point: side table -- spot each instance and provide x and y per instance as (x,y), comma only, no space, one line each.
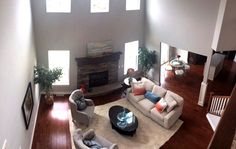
(125,85)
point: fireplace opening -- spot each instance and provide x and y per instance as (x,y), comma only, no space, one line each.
(98,79)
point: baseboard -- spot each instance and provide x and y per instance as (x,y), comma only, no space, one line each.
(35,122)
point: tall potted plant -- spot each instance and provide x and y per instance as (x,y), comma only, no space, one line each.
(46,77)
(146,59)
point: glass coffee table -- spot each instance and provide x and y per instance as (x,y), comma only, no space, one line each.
(124,123)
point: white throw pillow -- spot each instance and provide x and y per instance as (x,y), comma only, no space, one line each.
(171,103)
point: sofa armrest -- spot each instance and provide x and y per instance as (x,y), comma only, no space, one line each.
(113,146)
(172,117)
(89,102)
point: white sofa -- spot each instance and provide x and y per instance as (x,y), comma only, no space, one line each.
(165,119)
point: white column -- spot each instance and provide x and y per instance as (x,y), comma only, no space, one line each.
(204,84)
(235,58)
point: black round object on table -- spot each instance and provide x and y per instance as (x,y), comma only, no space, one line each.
(130,129)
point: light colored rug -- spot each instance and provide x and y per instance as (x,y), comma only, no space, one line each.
(149,135)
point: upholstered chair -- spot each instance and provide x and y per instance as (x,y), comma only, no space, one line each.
(81,116)
(79,137)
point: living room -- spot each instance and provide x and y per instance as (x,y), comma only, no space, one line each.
(29,32)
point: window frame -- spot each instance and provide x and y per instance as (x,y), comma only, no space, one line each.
(132,9)
(49,10)
(100,11)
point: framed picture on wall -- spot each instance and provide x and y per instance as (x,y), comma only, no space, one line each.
(27,105)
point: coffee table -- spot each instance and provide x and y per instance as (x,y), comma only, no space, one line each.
(128,129)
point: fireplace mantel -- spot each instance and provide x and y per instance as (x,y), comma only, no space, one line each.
(115,56)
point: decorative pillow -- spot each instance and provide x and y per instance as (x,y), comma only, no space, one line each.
(161,105)
(171,103)
(138,88)
(150,96)
(139,91)
(138,84)
(81,104)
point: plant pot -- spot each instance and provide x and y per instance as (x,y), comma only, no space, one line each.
(49,100)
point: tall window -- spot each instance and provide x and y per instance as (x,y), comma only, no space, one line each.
(164,53)
(131,55)
(97,6)
(58,6)
(132,4)
(60,59)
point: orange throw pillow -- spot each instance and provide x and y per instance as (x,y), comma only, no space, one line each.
(139,91)
(161,105)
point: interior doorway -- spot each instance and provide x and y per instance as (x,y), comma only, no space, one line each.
(169,53)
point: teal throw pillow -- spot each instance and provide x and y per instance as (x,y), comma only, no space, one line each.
(150,96)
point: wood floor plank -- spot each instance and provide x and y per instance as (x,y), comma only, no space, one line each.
(52,127)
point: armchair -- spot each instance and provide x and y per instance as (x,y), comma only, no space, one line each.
(84,116)
(79,137)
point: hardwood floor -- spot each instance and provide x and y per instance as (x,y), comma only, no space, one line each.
(52,128)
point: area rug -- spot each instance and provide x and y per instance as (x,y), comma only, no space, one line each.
(149,135)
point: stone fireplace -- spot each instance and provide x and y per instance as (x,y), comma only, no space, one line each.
(98,79)
(98,71)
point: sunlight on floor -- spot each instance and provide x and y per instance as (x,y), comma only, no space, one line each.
(59,111)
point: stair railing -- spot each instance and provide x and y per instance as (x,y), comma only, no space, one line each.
(217,104)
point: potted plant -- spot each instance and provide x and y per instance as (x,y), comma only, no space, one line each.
(146,59)
(46,77)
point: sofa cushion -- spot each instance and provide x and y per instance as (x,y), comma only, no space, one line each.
(159,91)
(146,104)
(158,115)
(150,96)
(135,98)
(148,84)
(171,103)
(161,105)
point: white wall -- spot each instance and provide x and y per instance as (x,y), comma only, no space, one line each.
(17,58)
(73,31)
(224,38)
(184,24)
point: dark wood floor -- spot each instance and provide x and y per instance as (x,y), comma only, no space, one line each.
(52,127)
